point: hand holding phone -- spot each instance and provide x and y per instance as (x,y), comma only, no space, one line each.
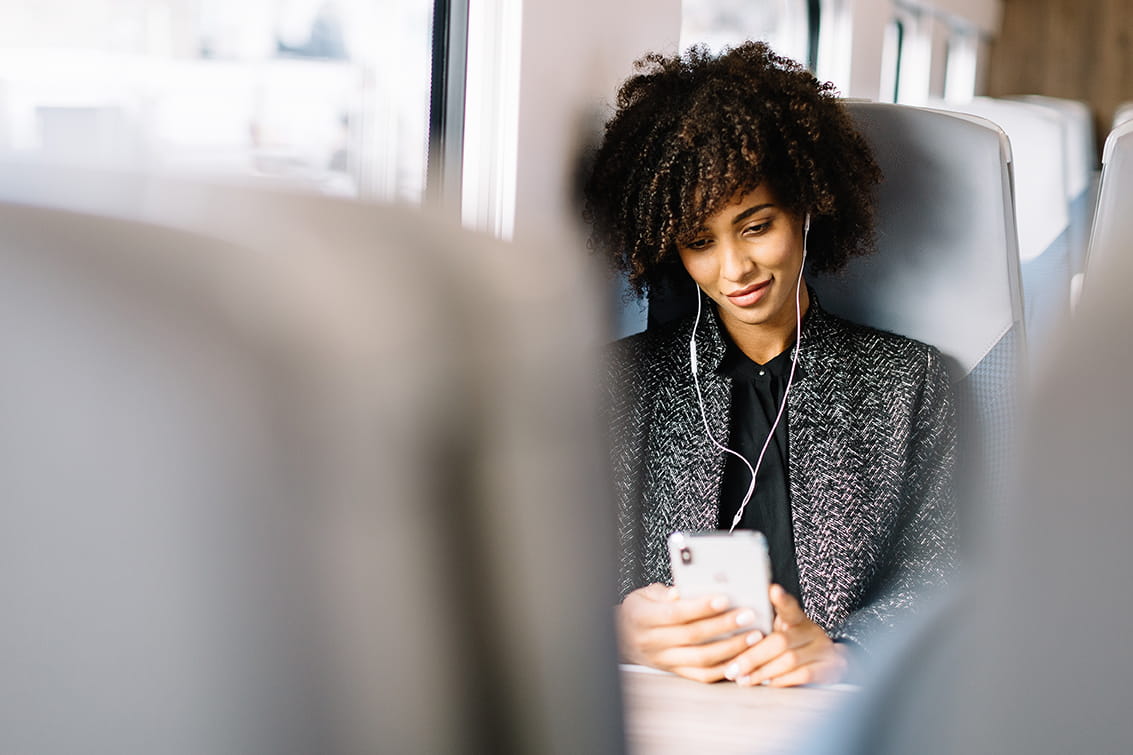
(720,563)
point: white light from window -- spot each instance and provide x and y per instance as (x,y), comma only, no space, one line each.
(783,24)
(963,57)
(325,95)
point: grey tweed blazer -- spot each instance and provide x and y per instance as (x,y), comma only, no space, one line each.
(872,448)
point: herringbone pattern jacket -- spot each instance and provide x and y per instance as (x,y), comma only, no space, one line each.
(872,447)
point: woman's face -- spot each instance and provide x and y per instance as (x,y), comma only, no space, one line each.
(746,258)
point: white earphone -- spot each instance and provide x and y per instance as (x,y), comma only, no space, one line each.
(782,407)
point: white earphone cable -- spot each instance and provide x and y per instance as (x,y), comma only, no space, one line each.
(782,407)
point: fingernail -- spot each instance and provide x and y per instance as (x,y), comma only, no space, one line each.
(754,637)
(745,618)
(765,682)
(744,680)
(720,603)
(732,671)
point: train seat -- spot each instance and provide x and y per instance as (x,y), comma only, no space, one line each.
(1041,208)
(264,496)
(630,314)
(1081,168)
(956,684)
(1112,234)
(147,519)
(1122,113)
(946,270)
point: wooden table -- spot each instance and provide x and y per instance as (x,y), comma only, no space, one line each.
(669,714)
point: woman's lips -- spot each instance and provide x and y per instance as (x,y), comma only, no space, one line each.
(749,296)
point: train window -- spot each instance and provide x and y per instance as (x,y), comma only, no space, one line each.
(491,117)
(784,24)
(326,95)
(961,66)
(909,60)
(891,61)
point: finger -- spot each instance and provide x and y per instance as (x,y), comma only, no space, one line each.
(703,631)
(796,677)
(654,609)
(822,672)
(731,622)
(763,651)
(718,653)
(828,657)
(784,663)
(787,608)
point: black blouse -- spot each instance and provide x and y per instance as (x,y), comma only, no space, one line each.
(757,394)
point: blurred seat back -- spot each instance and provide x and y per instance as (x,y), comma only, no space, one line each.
(1081,167)
(147,521)
(332,495)
(1111,238)
(1121,114)
(994,670)
(946,270)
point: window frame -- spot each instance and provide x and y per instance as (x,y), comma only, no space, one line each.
(447,86)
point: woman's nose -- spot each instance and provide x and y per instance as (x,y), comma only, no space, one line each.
(735,264)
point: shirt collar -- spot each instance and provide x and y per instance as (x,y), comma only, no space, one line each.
(713,341)
(738,365)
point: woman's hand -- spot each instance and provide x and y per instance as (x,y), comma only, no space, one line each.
(796,652)
(656,628)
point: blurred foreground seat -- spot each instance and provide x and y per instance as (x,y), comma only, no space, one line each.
(1033,658)
(336,493)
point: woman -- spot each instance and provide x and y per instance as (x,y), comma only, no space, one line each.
(762,410)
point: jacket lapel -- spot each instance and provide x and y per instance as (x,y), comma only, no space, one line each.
(683,491)
(828,411)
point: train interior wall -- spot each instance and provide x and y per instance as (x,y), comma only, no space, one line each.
(1076,49)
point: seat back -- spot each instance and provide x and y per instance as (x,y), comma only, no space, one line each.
(946,270)
(1081,167)
(1042,209)
(1066,524)
(1112,235)
(1122,113)
(145,579)
(317,485)
(630,314)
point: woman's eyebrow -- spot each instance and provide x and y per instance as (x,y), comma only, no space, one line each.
(750,211)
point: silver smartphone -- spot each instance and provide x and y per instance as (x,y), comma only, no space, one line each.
(721,563)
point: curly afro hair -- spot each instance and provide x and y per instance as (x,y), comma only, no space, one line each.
(693,132)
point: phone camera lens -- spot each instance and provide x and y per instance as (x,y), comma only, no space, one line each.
(686,556)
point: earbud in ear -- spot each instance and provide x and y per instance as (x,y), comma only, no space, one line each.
(806,224)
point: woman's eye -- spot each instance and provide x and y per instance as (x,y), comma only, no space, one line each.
(697,244)
(757,228)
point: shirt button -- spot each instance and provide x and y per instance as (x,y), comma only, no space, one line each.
(761,372)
